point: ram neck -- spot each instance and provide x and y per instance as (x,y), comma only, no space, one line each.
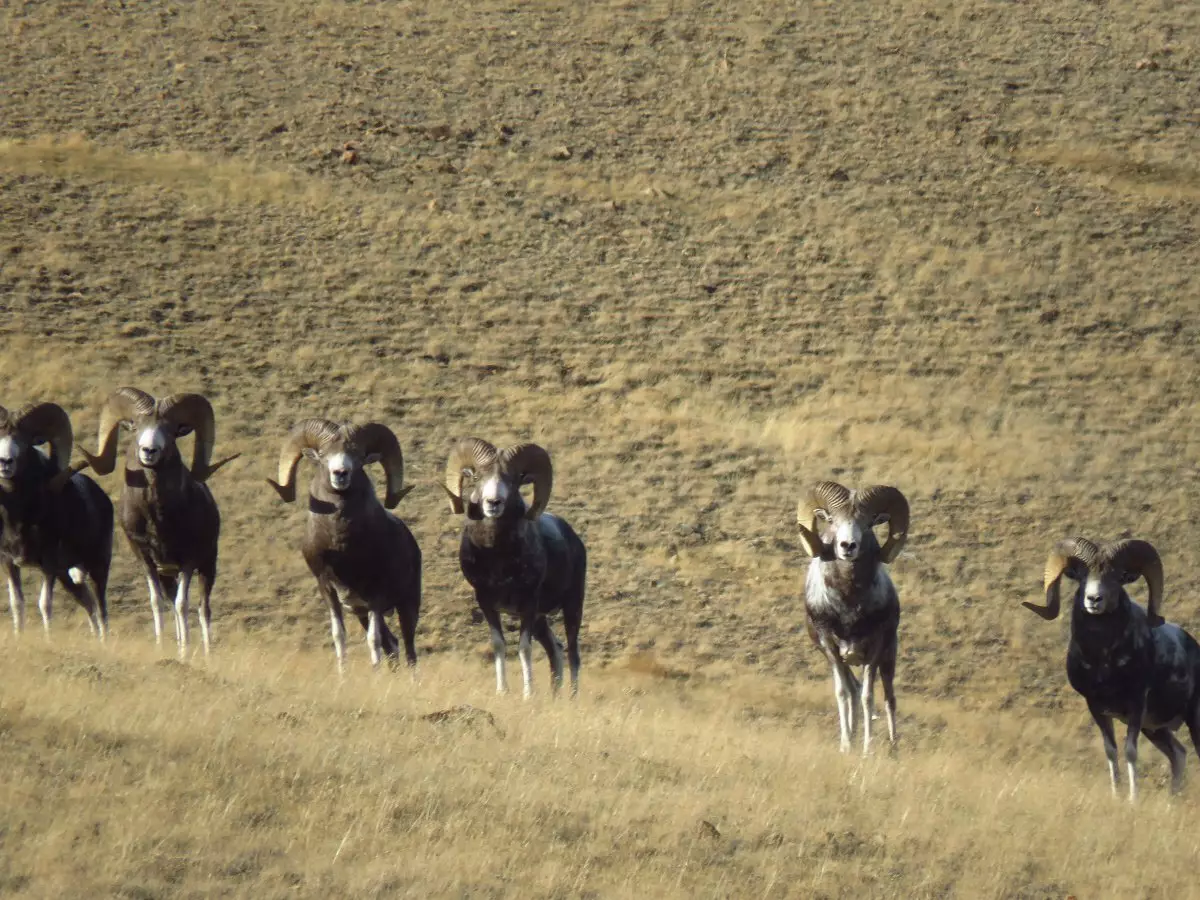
(162,484)
(495,534)
(1095,636)
(351,504)
(853,577)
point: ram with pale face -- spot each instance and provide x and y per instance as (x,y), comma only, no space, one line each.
(1122,659)
(519,559)
(52,517)
(365,559)
(851,605)
(167,511)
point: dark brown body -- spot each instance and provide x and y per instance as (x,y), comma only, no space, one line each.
(56,531)
(364,559)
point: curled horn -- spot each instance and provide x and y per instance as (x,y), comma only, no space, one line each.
(532,464)
(309,434)
(881,499)
(123,405)
(196,411)
(48,422)
(376,438)
(1066,558)
(828,496)
(468,454)
(1140,559)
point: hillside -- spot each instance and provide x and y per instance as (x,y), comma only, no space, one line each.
(704,253)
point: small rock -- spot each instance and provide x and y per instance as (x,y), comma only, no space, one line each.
(1147,63)
(708,830)
(349,157)
(464,715)
(560,153)
(839,175)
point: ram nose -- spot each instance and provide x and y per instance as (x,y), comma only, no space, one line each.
(847,549)
(8,468)
(492,508)
(1093,602)
(149,456)
(339,479)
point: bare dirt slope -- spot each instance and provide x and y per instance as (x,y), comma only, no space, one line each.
(704,253)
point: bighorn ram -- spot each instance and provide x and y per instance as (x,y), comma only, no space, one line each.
(51,517)
(364,558)
(526,562)
(851,605)
(167,511)
(1123,659)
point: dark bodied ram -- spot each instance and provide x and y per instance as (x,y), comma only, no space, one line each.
(520,560)
(365,560)
(1124,660)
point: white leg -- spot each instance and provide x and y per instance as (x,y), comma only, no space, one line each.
(16,600)
(375,637)
(868,704)
(525,651)
(338,629)
(498,650)
(1110,749)
(156,597)
(845,704)
(46,602)
(101,625)
(206,623)
(1131,755)
(181,612)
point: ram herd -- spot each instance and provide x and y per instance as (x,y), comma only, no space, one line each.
(520,560)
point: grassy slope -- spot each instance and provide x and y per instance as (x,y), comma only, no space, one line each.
(944,246)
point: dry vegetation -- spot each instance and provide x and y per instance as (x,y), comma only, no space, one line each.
(704,253)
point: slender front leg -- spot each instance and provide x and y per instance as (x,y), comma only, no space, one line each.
(1104,723)
(1131,752)
(499,646)
(337,627)
(46,602)
(868,704)
(571,623)
(16,598)
(375,637)
(157,597)
(205,612)
(887,674)
(843,690)
(181,611)
(525,652)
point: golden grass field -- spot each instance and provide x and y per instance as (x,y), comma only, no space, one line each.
(704,253)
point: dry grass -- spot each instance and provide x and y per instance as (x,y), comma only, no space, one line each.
(948,246)
(281,781)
